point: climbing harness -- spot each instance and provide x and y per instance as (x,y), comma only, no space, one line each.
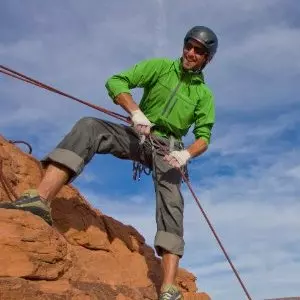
(137,168)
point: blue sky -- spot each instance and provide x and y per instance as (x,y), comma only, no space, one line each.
(248,181)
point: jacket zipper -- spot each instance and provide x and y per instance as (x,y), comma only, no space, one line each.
(172,100)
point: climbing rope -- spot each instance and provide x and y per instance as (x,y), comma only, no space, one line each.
(27,79)
(22,142)
(20,76)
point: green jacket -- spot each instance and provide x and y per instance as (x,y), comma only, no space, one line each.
(173,100)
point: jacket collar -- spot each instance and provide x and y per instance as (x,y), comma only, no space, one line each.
(194,77)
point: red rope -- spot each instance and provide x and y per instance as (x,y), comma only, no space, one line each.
(27,79)
(216,236)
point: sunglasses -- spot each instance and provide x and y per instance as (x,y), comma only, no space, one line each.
(198,50)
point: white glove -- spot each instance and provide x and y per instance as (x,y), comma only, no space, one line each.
(178,159)
(140,122)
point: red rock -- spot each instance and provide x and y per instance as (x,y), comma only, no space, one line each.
(85,255)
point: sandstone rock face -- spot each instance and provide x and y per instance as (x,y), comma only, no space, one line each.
(84,255)
(31,249)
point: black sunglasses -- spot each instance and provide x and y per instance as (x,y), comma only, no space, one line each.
(198,50)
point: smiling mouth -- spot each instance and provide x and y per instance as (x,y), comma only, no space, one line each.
(189,61)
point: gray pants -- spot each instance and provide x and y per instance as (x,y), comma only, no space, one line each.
(90,136)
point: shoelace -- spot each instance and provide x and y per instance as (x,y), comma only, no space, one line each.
(167,295)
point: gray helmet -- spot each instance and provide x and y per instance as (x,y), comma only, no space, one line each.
(206,37)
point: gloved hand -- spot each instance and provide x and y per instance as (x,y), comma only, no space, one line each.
(140,122)
(177,159)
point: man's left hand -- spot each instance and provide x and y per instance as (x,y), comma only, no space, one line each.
(177,159)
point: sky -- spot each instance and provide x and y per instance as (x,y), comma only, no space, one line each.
(247,181)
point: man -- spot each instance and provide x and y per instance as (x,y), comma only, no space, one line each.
(175,98)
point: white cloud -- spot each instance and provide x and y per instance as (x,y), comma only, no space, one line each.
(294,172)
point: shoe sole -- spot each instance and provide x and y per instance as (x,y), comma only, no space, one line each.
(38,211)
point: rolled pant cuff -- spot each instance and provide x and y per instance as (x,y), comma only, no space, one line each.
(169,242)
(66,158)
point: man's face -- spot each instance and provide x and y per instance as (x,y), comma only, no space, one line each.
(194,55)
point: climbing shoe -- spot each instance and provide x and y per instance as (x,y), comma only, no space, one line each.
(170,292)
(31,201)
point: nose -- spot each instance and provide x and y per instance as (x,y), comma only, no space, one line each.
(189,49)
(190,53)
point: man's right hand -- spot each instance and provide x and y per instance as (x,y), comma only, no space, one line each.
(140,122)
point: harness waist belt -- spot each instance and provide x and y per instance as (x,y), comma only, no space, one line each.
(163,132)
